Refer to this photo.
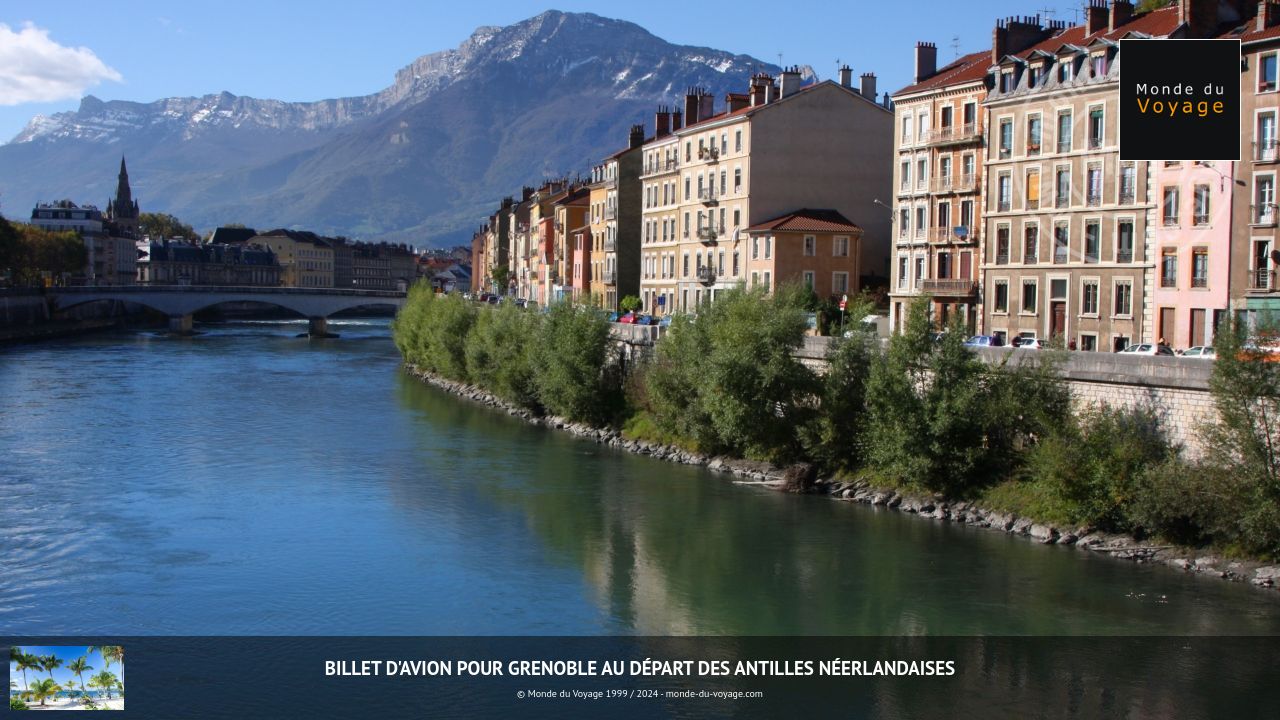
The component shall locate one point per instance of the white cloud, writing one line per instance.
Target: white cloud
(34, 68)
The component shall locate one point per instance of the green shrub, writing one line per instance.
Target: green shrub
(1097, 464)
(630, 303)
(447, 320)
(17, 704)
(499, 352)
(836, 437)
(408, 326)
(569, 364)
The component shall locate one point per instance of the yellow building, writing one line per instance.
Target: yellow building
(305, 259)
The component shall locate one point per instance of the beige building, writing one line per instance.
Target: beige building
(593, 274)
(1255, 287)
(305, 259)
(771, 151)
(937, 179)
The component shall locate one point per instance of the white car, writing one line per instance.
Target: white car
(1029, 343)
(1205, 352)
(1147, 349)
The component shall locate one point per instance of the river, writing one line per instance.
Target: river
(249, 482)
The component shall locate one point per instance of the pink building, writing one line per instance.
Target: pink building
(581, 267)
(1191, 250)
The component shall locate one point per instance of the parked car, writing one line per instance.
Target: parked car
(645, 320)
(628, 319)
(664, 321)
(984, 341)
(1148, 349)
(521, 302)
(614, 317)
(1028, 343)
(1205, 352)
(494, 299)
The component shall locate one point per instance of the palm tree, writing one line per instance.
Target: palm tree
(110, 654)
(43, 689)
(49, 663)
(24, 661)
(79, 667)
(105, 680)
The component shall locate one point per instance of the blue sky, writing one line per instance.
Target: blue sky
(51, 54)
(61, 675)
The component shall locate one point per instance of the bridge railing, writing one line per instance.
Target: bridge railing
(236, 289)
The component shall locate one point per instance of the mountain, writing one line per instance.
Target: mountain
(421, 161)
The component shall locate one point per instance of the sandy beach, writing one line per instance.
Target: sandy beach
(76, 704)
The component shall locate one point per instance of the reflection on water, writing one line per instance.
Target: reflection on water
(246, 481)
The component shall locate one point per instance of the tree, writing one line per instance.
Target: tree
(837, 436)
(162, 226)
(501, 276)
(43, 689)
(630, 303)
(499, 352)
(50, 663)
(569, 359)
(24, 661)
(105, 680)
(79, 667)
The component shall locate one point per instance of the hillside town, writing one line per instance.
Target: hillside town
(992, 183)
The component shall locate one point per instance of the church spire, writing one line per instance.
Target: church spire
(123, 209)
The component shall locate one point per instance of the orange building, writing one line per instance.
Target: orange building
(819, 248)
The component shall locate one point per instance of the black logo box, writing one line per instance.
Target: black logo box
(1191, 65)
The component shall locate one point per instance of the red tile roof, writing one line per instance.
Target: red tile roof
(966, 69)
(807, 220)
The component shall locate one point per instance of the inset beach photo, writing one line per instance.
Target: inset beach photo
(72, 677)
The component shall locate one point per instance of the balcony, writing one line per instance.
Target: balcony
(1199, 281)
(1005, 153)
(951, 288)
(710, 154)
(1032, 203)
(1095, 143)
(1033, 149)
(1126, 196)
(1124, 255)
(1060, 256)
(1002, 258)
(1265, 152)
(609, 277)
(610, 212)
(1199, 219)
(953, 135)
(708, 196)
(1061, 201)
(1261, 280)
(709, 233)
(1030, 256)
(1262, 214)
(706, 274)
(1064, 146)
(1093, 200)
(661, 166)
(948, 235)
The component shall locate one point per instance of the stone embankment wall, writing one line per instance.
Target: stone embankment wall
(1176, 388)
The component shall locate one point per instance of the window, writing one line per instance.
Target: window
(1004, 190)
(1170, 206)
(902, 271)
(1168, 268)
(1093, 185)
(768, 247)
(737, 217)
(1033, 75)
(922, 221)
(1124, 298)
(1002, 245)
(1061, 243)
(1267, 72)
(1031, 244)
(737, 180)
(1124, 241)
(1029, 290)
(1088, 342)
(1032, 200)
(1099, 63)
(1002, 296)
(766, 281)
(737, 141)
(905, 182)
(1006, 138)
(1033, 135)
(904, 222)
(944, 266)
(1064, 71)
(1089, 297)
(1092, 240)
(1200, 268)
(970, 116)
(1202, 205)
(919, 269)
(1064, 132)
(922, 173)
(944, 217)
(735, 263)
(839, 283)
(1062, 192)
(944, 170)
(810, 245)
(1128, 183)
(686, 264)
(966, 214)
(840, 246)
(1096, 132)
(686, 187)
(808, 279)
(1006, 81)
(1265, 200)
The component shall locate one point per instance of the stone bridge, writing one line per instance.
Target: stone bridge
(180, 302)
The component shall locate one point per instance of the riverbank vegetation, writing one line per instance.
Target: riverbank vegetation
(923, 415)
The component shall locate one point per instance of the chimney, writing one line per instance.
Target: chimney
(926, 60)
(1268, 14)
(868, 88)
(759, 82)
(691, 106)
(1121, 11)
(526, 193)
(770, 92)
(1095, 16)
(636, 139)
(677, 120)
(735, 101)
(1200, 17)
(846, 76)
(790, 81)
(1015, 34)
(662, 122)
(706, 104)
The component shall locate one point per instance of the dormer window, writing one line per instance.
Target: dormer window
(1033, 77)
(1006, 81)
(1099, 63)
(1064, 70)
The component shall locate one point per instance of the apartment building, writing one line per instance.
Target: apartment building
(518, 244)
(305, 259)
(570, 210)
(937, 179)
(659, 180)
(595, 235)
(819, 248)
(774, 150)
(622, 219)
(1255, 252)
